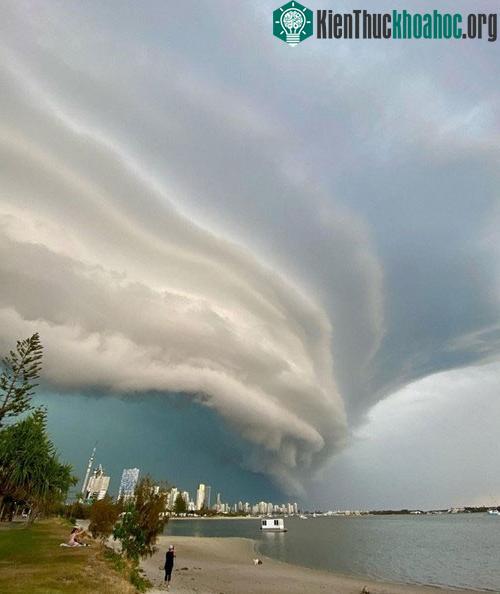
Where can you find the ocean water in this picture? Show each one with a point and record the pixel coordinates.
(461, 551)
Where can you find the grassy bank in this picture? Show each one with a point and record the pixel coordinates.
(32, 562)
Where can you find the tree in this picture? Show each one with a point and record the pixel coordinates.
(142, 520)
(103, 516)
(20, 369)
(180, 506)
(30, 470)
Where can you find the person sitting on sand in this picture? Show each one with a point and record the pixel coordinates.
(169, 565)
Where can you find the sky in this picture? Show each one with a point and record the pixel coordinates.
(273, 269)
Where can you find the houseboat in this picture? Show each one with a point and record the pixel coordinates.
(272, 525)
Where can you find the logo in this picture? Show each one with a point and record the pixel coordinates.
(292, 23)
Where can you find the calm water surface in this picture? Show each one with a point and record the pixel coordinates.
(461, 551)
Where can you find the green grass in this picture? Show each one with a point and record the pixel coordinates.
(32, 562)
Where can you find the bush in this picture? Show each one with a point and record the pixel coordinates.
(128, 569)
(103, 517)
(141, 521)
(77, 511)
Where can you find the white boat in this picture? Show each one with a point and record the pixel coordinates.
(494, 512)
(272, 525)
(302, 517)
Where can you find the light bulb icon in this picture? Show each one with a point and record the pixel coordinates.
(293, 22)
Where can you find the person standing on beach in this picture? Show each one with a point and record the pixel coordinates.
(169, 565)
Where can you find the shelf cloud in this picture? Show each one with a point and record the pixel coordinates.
(285, 255)
(129, 295)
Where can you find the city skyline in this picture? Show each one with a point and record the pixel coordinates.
(201, 500)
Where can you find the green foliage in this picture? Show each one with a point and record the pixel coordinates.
(115, 559)
(30, 470)
(77, 511)
(141, 583)
(180, 506)
(129, 569)
(130, 533)
(21, 368)
(142, 520)
(103, 517)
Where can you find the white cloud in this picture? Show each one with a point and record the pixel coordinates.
(428, 445)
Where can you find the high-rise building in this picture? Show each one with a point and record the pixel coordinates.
(89, 468)
(130, 476)
(200, 496)
(208, 496)
(172, 496)
(97, 485)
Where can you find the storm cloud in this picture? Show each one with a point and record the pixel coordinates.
(289, 238)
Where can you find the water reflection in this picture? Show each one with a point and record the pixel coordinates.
(275, 542)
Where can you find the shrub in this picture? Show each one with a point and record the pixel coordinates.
(141, 520)
(103, 517)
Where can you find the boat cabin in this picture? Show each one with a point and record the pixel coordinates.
(273, 525)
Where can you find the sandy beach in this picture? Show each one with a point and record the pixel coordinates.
(225, 566)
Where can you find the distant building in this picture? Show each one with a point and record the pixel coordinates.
(97, 485)
(130, 476)
(200, 496)
(172, 496)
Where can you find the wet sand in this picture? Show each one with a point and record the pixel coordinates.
(225, 566)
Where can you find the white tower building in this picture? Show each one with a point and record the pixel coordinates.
(200, 496)
(97, 485)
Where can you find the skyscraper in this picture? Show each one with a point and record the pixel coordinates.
(172, 497)
(200, 496)
(97, 485)
(89, 468)
(130, 476)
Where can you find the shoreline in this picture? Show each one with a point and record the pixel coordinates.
(184, 518)
(224, 565)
